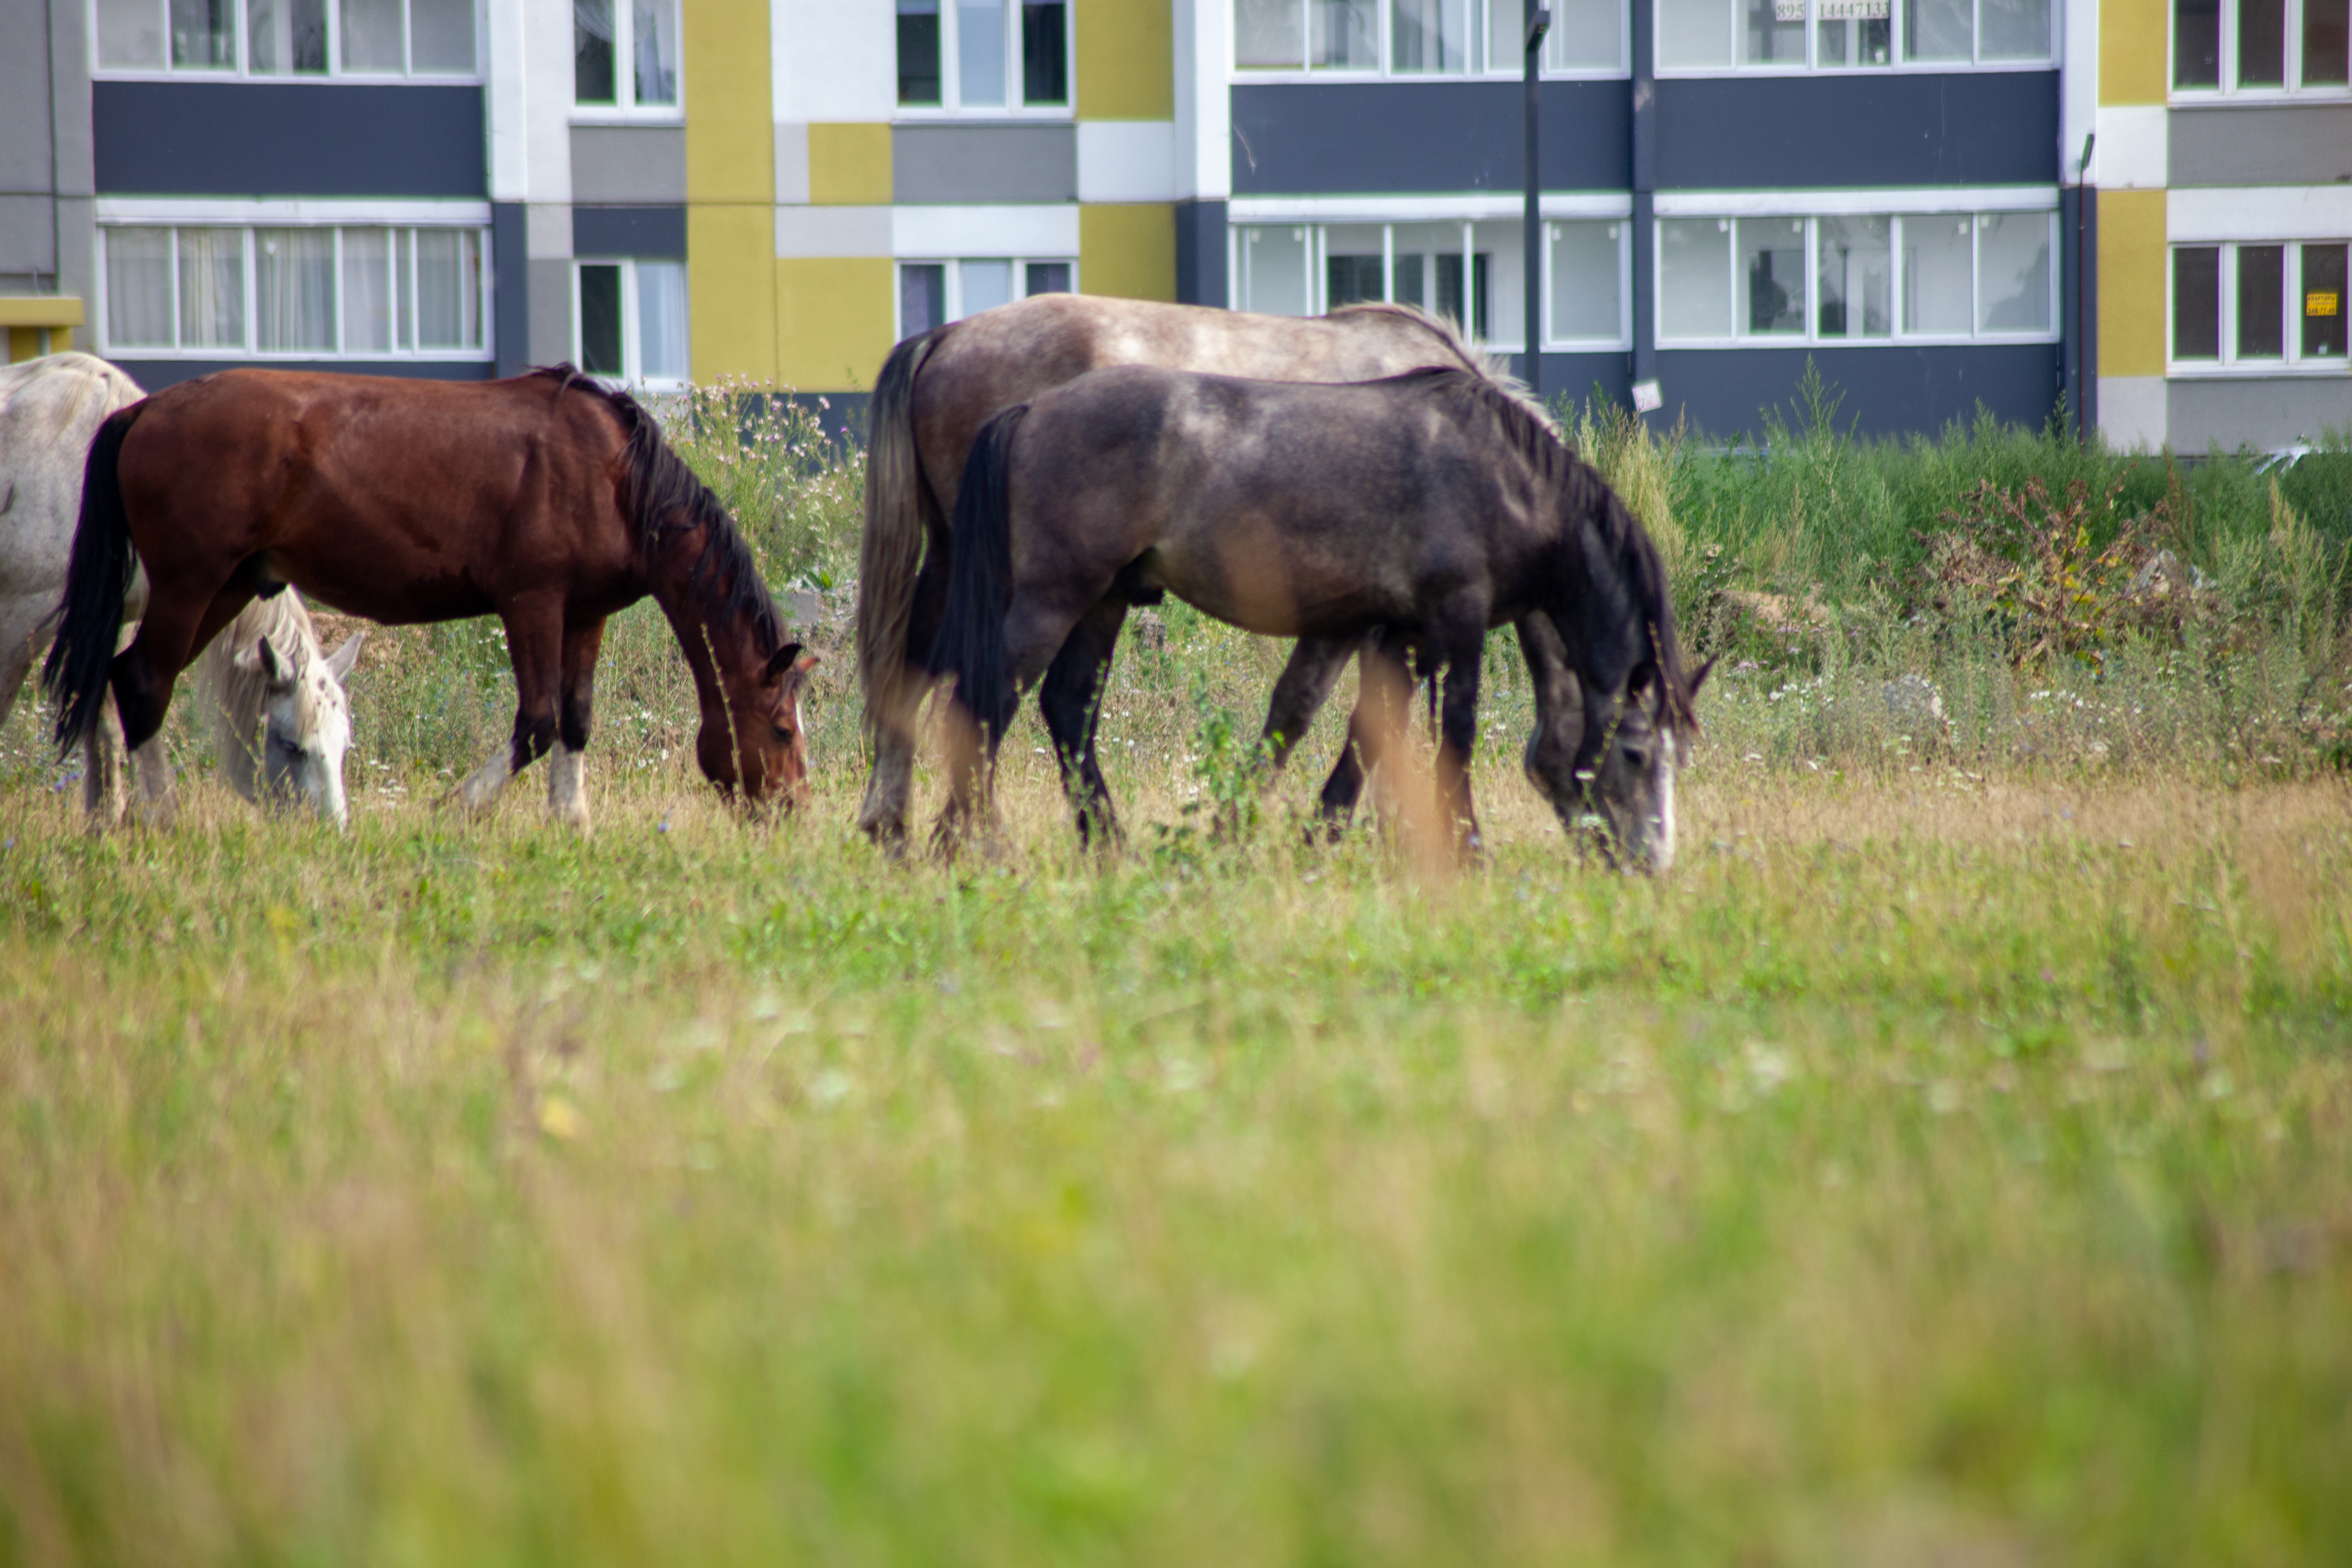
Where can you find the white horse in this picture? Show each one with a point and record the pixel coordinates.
(267, 661)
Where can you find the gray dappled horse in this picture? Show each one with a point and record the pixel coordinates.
(1417, 512)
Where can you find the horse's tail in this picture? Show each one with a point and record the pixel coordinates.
(971, 644)
(99, 574)
(891, 553)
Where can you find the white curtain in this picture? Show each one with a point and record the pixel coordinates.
(367, 291)
(441, 35)
(294, 279)
(139, 288)
(661, 320)
(212, 287)
(656, 24)
(371, 40)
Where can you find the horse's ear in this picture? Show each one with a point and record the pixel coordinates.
(273, 669)
(1699, 679)
(341, 663)
(789, 660)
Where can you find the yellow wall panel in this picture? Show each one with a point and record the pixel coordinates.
(730, 149)
(1128, 250)
(731, 252)
(2133, 43)
(2132, 258)
(1127, 59)
(849, 165)
(833, 322)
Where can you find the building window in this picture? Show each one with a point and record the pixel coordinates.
(933, 293)
(288, 37)
(629, 322)
(2259, 307)
(1850, 35)
(1422, 38)
(625, 55)
(2267, 46)
(1778, 280)
(997, 57)
(353, 292)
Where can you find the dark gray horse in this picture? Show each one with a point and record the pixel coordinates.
(1411, 514)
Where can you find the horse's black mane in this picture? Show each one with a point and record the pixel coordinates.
(665, 496)
(1584, 495)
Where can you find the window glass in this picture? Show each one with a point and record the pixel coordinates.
(980, 53)
(2323, 301)
(1694, 277)
(600, 319)
(1584, 293)
(203, 34)
(1047, 277)
(1274, 271)
(918, 51)
(212, 287)
(2262, 43)
(1415, 248)
(1268, 34)
(129, 34)
(1857, 278)
(1775, 32)
(1585, 35)
(661, 320)
(2197, 43)
(1771, 276)
(440, 290)
(139, 288)
(290, 35)
(1938, 292)
(592, 51)
(986, 285)
(294, 289)
(1498, 305)
(2324, 36)
(2261, 301)
(2014, 29)
(1343, 35)
(1854, 33)
(1352, 264)
(441, 35)
(403, 288)
(923, 296)
(1938, 29)
(1446, 294)
(367, 291)
(1430, 36)
(2197, 302)
(1694, 33)
(654, 41)
(2013, 264)
(1045, 52)
(371, 40)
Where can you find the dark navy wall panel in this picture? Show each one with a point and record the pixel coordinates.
(654, 234)
(1201, 253)
(1808, 132)
(1576, 377)
(1886, 391)
(511, 285)
(1306, 138)
(155, 374)
(287, 139)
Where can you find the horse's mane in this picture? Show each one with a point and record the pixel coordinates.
(1585, 496)
(1494, 369)
(665, 498)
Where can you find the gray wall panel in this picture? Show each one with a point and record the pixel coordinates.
(155, 374)
(2298, 144)
(2264, 414)
(26, 244)
(628, 163)
(1890, 391)
(1804, 133)
(287, 139)
(23, 98)
(655, 233)
(985, 162)
(1308, 138)
(549, 340)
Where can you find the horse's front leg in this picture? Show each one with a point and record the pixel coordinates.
(1550, 756)
(535, 645)
(1072, 702)
(1457, 735)
(174, 627)
(567, 767)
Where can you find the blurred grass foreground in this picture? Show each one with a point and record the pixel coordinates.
(1950, 1162)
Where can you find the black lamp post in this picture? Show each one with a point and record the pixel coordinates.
(1539, 19)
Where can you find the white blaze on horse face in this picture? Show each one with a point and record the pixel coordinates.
(1662, 853)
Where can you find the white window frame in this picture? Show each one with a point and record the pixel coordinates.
(247, 217)
(2292, 90)
(1939, 207)
(950, 104)
(1482, 67)
(2229, 366)
(624, 110)
(1896, 41)
(631, 376)
(242, 71)
(951, 294)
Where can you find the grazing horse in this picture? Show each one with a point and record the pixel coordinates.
(545, 500)
(937, 389)
(267, 669)
(1417, 511)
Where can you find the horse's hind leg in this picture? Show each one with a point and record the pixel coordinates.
(882, 815)
(567, 767)
(1072, 702)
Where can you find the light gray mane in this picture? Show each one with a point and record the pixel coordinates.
(1494, 369)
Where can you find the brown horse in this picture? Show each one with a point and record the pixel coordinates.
(546, 500)
(934, 394)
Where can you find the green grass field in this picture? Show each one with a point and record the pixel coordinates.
(1949, 1163)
